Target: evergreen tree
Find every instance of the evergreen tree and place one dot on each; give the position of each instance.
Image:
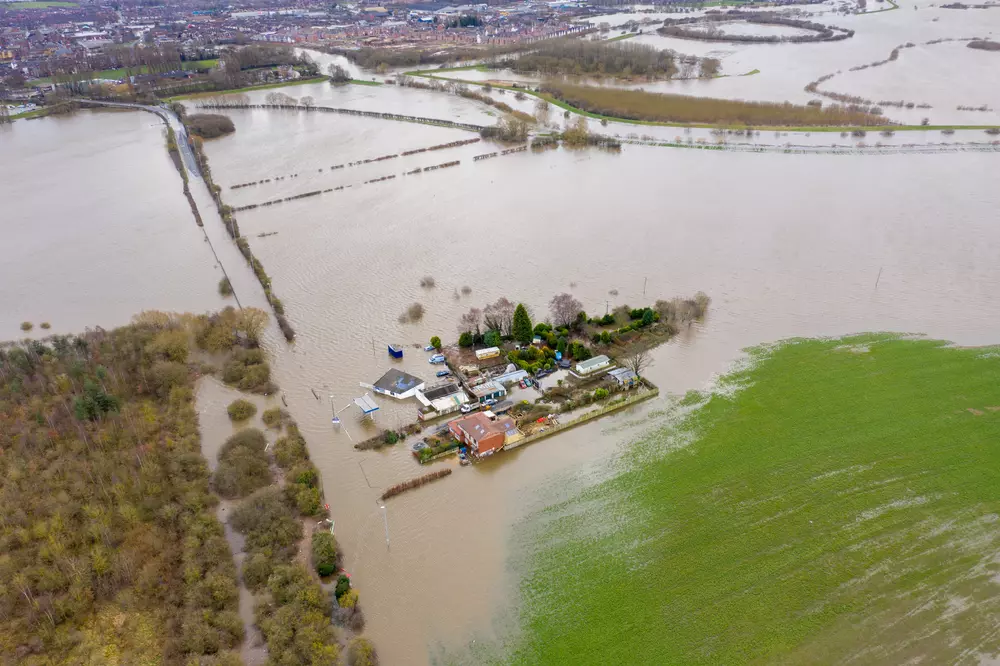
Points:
(522, 325)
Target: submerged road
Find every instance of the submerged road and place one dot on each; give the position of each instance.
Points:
(169, 117)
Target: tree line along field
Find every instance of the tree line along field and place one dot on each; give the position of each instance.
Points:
(835, 502)
(578, 57)
(121, 72)
(657, 107)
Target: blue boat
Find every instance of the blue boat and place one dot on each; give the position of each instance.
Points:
(437, 358)
(395, 351)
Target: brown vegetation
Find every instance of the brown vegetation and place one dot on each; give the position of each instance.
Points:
(209, 125)
(579, 57)
(110, 545)
(640, 105)
(415, 483)
(984, 45)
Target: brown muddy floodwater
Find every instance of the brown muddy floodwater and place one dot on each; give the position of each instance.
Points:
(786, 245)
(94, 225)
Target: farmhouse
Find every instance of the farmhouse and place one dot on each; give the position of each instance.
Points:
(482, 435)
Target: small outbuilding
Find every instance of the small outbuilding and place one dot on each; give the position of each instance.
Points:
(592, 365)
(490, 390)
(624, 376)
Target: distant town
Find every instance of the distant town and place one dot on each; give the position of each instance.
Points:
(41, 41)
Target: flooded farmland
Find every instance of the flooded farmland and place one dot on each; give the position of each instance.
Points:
(786, 245)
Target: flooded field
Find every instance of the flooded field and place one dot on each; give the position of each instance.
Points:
(95, 227)
(786, 245)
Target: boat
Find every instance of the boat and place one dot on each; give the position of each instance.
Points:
(436, 359)
(395, 351)
(443, 373)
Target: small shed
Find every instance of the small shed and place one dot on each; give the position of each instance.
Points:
(624, 376)
(488, 390)
(489, 352)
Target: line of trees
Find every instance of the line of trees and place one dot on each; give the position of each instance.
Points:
(579, 57)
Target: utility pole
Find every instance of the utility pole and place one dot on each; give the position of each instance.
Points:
(644, 286)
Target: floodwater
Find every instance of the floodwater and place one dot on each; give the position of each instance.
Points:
(786, 245)
(94, 225)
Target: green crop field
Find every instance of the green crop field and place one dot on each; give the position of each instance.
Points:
(841, 506)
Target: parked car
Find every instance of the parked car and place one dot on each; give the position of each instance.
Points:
(443, 373)
(437, 358)
(467, 407)
(429, 348)
(489, 402)
(564, 364)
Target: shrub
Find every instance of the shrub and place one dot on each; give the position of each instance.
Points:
(465, 339)
(343, 585)
(289, 450)
(243, 465)
(26, 326)
(391, 437)
(492, 339)
(225, 288)
(414, 313)
(427, 281)
(325, 554)
(308, 501)
(171, 345)
(361, 652)
(436, 342)
(209, 125)
(257, 569)
(304, 474)
(274, 417)
(601, 394)
(241, 410)
(165, 375)
(46, 325)
(267, 521)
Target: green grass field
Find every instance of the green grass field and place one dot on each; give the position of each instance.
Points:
(841, 508)
(40, 4)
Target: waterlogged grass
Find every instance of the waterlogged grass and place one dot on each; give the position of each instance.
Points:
(362, 82)
(837, 501)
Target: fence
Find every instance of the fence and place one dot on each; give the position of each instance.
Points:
(352, 112)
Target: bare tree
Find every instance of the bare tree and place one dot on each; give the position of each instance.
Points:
(471, 321)
(499, 316)
(564, 309)
(638, 361)
(307, 101)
